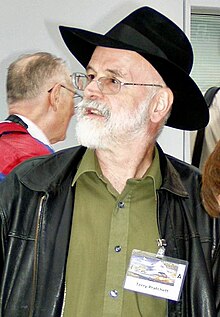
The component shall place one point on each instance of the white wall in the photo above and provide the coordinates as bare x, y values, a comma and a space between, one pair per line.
28, 26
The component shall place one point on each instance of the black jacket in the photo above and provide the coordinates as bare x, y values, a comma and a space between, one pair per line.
36, 209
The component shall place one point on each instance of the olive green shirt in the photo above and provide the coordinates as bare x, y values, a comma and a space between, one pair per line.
106, 227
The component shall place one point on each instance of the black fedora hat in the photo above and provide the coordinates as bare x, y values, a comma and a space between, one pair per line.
164, 45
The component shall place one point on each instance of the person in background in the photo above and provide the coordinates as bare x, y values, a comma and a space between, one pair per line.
211, 182
40, 104
205, 139
73, 221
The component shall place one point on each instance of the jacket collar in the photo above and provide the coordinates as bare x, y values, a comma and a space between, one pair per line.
171, 180
8, 126
46, 174
62, 165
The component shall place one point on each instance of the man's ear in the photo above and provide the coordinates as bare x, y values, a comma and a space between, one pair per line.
161, 104
54, 96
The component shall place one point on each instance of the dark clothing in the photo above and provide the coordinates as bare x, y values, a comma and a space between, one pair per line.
17, 145
35, 231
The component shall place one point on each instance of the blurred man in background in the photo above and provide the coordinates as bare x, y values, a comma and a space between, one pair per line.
40, 104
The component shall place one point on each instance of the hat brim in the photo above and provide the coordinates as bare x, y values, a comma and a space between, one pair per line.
189, 110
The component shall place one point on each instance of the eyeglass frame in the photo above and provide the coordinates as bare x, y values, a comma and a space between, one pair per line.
74, 75
75, 94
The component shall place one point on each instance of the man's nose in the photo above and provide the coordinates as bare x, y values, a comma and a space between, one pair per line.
92, 90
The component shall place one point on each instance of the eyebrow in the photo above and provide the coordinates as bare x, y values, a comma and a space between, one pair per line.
90, 68
113, 72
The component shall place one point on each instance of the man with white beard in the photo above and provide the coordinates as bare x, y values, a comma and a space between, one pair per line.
115, 227
116, 124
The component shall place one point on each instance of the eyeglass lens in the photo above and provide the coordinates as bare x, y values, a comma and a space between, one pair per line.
108, 85
105, 84
80, 81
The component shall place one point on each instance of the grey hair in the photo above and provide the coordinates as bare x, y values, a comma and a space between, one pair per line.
27, 74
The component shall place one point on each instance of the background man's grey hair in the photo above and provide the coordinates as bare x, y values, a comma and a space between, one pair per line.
30, 72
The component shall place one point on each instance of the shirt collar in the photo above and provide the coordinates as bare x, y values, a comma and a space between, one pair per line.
89, 163
154, 170
35, 131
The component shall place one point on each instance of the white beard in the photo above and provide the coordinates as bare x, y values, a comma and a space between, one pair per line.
116, 128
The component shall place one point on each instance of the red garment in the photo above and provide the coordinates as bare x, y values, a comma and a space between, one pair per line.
17, 145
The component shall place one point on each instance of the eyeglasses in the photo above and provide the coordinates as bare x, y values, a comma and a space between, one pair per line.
75, 94
107, 85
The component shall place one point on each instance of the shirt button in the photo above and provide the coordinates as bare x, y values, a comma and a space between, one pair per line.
117, 248
121, 204
114, 293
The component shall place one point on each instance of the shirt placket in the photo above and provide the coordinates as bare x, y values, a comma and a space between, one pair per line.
117, 258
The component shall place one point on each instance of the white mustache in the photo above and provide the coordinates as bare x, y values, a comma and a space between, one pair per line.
101, 108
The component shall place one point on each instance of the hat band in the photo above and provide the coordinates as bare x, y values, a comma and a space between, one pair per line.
130, 36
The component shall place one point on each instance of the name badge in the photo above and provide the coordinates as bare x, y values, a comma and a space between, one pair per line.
157, 276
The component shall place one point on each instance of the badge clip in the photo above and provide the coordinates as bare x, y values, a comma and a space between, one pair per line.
161, 243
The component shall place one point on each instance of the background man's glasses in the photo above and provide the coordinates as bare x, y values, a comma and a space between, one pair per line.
106, 85
75, 94
77, 98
